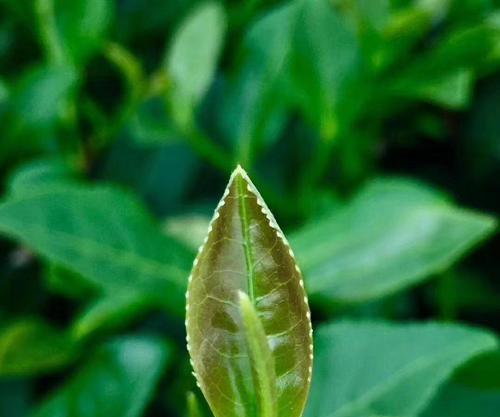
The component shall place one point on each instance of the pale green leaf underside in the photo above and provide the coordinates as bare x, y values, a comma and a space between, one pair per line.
365, 369
245, 251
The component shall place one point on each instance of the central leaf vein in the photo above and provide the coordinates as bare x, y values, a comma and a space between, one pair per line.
247, 243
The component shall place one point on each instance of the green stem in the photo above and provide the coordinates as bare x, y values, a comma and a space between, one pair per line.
47, 27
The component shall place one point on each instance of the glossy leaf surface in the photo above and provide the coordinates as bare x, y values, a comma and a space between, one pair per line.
246, 251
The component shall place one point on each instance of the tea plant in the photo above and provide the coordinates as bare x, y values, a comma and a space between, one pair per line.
370, 129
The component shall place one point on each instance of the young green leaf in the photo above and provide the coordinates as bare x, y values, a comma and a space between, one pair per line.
246, 251
261, 358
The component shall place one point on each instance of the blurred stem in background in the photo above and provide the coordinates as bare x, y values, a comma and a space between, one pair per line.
49, 36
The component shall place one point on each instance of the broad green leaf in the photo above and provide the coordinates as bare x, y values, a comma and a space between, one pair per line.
246, 251
31, 347
102, 234
110, 312
261, 358
192, 59
393, 234
382, 369
117, 381
325, 52
82, 26
474, 390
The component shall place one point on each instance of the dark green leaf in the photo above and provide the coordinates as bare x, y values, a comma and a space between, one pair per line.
381, 369
455, 400
475, 390
246, 251
31, 347
395, 233
104, 235
117, 381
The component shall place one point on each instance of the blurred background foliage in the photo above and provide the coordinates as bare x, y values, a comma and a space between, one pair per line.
371, 127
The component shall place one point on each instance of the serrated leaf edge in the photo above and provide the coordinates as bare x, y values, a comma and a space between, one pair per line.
279, 233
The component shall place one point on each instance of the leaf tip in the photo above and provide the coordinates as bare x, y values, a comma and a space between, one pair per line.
239, 170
